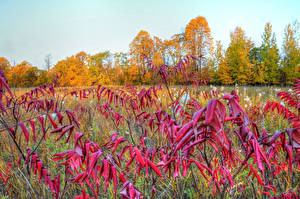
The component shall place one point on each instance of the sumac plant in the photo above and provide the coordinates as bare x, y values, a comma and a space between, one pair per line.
134, 142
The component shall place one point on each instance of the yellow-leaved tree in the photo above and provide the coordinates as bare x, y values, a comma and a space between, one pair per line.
198, 41
141, 47
237, 56
72, 71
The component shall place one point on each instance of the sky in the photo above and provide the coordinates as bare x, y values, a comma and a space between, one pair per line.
32, 29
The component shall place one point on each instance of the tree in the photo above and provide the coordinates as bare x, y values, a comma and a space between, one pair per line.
72, 71
101, 60
159, 51
237, 57
121, 60
47, 60
270, 56
291, 53
257, 69
4, 64
99, 64
141, 46
222, 74
121, 64
175, 48
23, 75
198, 40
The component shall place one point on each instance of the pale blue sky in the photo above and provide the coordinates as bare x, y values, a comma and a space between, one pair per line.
31, 29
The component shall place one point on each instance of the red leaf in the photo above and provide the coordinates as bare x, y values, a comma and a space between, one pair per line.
114, 174
183, 131
33, 129
139, 157
69, 128
59, 129
154, 168
52, 121
118, 141
3, 82
25, 131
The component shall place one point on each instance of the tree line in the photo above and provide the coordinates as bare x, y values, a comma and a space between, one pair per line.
242, 62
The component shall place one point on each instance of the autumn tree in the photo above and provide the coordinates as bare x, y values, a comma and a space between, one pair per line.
4, 64
159, 51
269, 56
291, 53
175, 48
73, 70
222, 68
121, 64
98, 67
23, 75
141, 46
237, 57
198, 40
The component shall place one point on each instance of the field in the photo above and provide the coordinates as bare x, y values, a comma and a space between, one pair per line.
157, 141
149, 100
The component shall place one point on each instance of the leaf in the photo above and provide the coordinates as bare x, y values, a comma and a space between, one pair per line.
115, 180
32, 124
181, 133
118, 141
52, 121
139, 157
25, 131
3, 82
69, 128
154, 168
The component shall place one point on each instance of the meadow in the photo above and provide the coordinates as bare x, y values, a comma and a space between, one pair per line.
160, 141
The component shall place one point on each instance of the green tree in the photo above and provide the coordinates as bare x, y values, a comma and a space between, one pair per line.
291, 54
270, 56
257, 68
